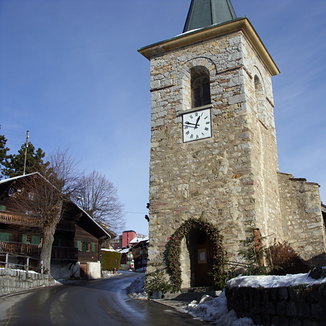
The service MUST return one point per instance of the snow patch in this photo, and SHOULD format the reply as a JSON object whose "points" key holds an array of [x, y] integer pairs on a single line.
{"points": [[273, 281], [20, 270], [136, 289], [108, 274], [215, 310]]}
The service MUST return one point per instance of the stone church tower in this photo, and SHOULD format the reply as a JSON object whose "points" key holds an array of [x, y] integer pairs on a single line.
{"points": [[213, 148]]}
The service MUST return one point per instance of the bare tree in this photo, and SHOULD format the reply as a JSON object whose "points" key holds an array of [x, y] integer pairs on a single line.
{"points": [[36, 196], [98, 197], [43, 195], [63, 172]]}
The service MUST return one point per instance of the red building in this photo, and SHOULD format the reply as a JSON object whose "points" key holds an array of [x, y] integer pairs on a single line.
{"points": [[127, 236]]}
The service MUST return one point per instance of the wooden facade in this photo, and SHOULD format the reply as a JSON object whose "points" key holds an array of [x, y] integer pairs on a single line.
{"points": [[88, 246], [140, 254], [77, 238]]}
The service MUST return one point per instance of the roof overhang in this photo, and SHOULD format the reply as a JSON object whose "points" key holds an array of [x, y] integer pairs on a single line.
{"points": [[207, 33], [88, 223], [323, 208]]}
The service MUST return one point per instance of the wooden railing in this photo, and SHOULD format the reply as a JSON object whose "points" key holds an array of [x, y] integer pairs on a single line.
{"points": [[58, 253], [15, 219], [30, 220], [19, 248]]}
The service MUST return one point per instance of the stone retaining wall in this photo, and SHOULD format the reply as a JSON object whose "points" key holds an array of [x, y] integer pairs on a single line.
{"points": [[12, 280], [298, 305]]}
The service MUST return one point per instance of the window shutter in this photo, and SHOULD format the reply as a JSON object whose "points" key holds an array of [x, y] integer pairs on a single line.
{"points": [[36, 239], [79, 245], [93, 246], [24, 238], [4, 236]]}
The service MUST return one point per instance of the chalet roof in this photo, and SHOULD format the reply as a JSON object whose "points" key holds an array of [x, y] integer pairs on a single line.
{"points": [[137, 240], [204, 13], [85, 220], [110, 250], [323, 207], [21, 177], [88, 223], [125, 250]]}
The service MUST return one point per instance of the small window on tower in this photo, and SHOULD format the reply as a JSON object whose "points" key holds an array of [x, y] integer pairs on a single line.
{"points": [[200, 86], [258, 86]]}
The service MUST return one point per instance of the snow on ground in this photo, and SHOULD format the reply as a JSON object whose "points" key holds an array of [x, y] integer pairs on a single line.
{"points": [[136, 289], [20, 270], [215, 309], [109, 274], [209, 309], [272, 281]]}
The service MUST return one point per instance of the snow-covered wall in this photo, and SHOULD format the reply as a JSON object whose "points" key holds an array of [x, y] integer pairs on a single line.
{"points": [[294, 305], [12, 280]]}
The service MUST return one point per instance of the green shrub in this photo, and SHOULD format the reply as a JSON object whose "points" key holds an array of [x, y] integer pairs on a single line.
{"points": [[110, 260], [157, 282]]}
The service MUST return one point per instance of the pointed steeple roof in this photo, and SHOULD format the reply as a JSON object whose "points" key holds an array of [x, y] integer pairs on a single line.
{"points": [[204, 13]]}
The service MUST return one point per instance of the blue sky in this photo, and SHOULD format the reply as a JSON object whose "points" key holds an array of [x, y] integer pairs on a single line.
{"points": [[70, 73]]}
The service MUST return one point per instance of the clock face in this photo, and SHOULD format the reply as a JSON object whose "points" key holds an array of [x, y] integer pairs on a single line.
{"points": [[196, 125]]}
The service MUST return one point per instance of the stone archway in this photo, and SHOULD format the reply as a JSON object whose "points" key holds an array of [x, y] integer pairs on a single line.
{"points": [[194, 255]]}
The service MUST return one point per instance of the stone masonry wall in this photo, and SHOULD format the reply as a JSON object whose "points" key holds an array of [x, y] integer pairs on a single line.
{"points": [[210, 178], [303, 223], [230, 179], [260, 107], [298, 305], [12, 281]]}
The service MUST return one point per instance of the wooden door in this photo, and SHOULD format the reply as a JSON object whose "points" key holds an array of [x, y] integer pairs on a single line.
{"points": [[83, 271], [202, 259]]}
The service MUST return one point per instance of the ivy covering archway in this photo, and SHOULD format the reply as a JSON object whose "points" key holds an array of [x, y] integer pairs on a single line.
{"points": [[173, 250]]}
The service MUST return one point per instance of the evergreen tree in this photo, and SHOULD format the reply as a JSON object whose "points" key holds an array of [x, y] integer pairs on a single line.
{"points": [[14, 163], [3, 151]]}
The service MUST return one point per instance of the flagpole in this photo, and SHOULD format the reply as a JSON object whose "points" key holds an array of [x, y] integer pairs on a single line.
{"points": [[26, 146]]}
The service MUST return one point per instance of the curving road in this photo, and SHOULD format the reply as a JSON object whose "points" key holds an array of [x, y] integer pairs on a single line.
{"points": [[98, 302]]}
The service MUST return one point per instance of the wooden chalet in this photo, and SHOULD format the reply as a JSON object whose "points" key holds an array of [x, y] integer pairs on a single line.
{"points": [[77, 240], [139, 248]]}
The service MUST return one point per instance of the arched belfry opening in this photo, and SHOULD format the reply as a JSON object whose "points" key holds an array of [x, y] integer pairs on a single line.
{"points": [[200, 86], [259, 91], [194, 255]]}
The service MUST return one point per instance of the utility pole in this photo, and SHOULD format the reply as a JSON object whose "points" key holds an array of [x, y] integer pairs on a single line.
{"points": [[26, 146]]}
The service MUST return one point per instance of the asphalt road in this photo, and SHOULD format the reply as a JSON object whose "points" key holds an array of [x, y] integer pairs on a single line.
{"points": [[98, 302]]}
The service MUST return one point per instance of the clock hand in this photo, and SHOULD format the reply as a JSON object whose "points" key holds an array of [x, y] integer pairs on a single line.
{"points": [[196, 125], [189, 123]]}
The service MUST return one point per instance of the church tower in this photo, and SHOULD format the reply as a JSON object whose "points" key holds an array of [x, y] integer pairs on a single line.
{"points": [[214, 158]]}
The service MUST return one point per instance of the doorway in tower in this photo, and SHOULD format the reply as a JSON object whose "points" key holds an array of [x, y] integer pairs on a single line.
{"points": [[194, 255], [200, 254]]}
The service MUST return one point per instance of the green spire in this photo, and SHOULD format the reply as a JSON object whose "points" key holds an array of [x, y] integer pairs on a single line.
{"points": [[204, 13]]}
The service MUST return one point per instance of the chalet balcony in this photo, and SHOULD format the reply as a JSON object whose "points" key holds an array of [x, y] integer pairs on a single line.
{"points": [[15, 219], [21, 249], [34, 251]]}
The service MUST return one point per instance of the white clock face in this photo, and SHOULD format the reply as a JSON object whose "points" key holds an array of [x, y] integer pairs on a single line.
{"points": [[196, 125]]}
